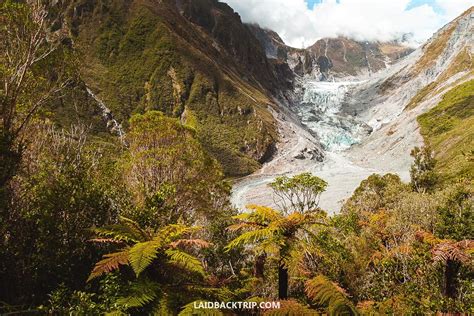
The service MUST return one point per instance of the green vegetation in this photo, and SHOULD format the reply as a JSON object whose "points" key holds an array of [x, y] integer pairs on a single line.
{"points": [[139, 63], [301, 191], [448, 129], [92, 226]]}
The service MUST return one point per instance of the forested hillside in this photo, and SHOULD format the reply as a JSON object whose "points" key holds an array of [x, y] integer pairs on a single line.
{"points": [[121, 125]]}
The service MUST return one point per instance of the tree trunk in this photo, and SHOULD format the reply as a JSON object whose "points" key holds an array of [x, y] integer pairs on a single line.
{"points": [[259, 268], [282, 281], [450, 278]]}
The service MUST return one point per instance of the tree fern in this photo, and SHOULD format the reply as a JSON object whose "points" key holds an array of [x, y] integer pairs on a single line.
{"points": [[141, 255], [141, 293], [167, 248], [111, 262], [460, 251], [327, 293], [185, 260]]}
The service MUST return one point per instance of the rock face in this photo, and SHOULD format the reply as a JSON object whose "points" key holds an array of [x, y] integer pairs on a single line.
{"points": [[330, 58], [343, 57], [193, 60]]}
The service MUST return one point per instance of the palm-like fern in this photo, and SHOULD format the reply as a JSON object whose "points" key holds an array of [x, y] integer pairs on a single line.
{"points": [[451, 254], [140, 248], [271, 232], [267, 228], [327, 293]]}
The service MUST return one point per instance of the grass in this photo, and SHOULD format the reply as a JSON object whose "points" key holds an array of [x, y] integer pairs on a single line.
{"points": [[449, 129]]}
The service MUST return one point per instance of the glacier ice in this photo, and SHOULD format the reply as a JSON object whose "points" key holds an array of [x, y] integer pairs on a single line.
{"points": [[320, 111]]}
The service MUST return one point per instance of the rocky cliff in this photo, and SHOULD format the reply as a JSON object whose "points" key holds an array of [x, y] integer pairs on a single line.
{"points": [[330, 58]]}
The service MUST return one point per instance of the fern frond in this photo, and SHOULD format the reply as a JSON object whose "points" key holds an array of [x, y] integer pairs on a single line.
{"points": [[172, 232], [162, 307], [190, 310], [115, 313], [185, 260], [457, 251], [245, 225], [251, 237], [110, 262], [142, 254], [198, 243], [258, 214], [325, 292], [106, 241], [119, 232], [141, 293], [135, 227]]}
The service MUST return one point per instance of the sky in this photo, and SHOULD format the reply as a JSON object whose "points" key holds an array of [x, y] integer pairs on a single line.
{"points": [[301, 22]]}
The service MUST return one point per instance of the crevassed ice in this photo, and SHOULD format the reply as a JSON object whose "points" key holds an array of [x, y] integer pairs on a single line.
{"points": [[320, 111]]}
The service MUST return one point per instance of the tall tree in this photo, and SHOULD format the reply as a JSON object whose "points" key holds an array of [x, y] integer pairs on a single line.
{"points": [[31, 73], [169, 173]]}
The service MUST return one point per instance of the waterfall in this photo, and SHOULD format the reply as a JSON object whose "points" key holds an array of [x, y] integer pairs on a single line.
{"points": [[112, 124]]}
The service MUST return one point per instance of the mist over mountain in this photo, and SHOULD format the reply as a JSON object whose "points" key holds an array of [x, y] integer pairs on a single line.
{"points": [[384, 21]]}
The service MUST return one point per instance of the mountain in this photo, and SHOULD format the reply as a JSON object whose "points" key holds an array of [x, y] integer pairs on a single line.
{"points": [[427, 98], [347, 57], [423, 98], [190, 59], [332, 57]]}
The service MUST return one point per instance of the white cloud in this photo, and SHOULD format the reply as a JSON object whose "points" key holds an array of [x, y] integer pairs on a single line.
{"points": [[370, 20]]}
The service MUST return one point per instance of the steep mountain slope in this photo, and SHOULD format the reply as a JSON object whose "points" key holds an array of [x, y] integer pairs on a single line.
{"points": [[434, 80], [332, 57], [190, 59], [432, 86]]}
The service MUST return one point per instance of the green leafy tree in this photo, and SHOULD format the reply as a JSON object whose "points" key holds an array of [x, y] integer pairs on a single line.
{"points": [[169, 173], [422, 172], [56, 199], [299, 193]]}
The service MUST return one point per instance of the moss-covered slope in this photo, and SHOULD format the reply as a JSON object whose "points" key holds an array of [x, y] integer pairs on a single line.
{"points": [[449, 129], [189, 59]]}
